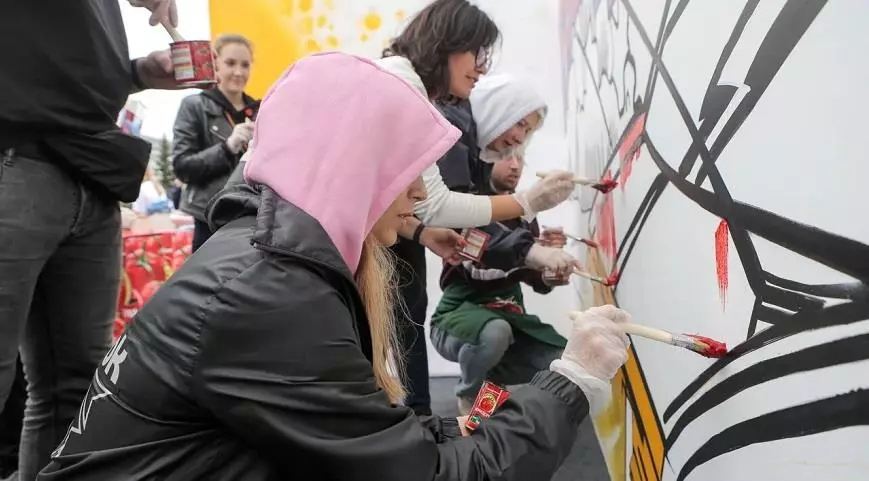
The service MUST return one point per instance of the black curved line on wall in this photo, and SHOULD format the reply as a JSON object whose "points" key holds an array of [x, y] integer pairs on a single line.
{"points": [[824, 415], [842, 351], [838, 315]]}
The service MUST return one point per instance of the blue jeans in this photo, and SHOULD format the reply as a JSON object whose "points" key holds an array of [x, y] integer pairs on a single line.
{"points": [[501, 355], [60, 268]]}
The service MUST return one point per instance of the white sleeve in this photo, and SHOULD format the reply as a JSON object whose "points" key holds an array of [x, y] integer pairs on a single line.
{"points": [[146, 194], [445, 208]]}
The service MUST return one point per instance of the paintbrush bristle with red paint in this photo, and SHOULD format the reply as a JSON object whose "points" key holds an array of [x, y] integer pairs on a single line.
{"points": [[608, 281], [701, 345], [602, 185], [585, 241]]}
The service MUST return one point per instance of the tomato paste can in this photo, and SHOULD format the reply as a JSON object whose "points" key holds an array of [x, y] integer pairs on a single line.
{"points": [[490, 397], [193, 61], [475, 244]]}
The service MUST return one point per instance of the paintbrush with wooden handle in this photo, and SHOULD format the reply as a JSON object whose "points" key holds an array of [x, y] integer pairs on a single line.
{"points": [[176, 37], [701, 345], [585, 241], [602, 185], [608, 281]]}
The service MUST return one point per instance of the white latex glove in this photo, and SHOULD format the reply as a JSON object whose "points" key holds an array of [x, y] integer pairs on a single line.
{"points": [[161, 10], [596, 349], [550, 258], [240, 136], [546, 193]]}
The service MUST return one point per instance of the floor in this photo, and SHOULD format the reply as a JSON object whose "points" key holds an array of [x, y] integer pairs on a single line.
{"points": [[585, 463]]}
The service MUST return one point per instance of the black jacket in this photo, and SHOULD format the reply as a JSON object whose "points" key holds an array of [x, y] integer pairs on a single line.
{"points": [[483, 278], [66, 75], [253, 363], [200, 156]]}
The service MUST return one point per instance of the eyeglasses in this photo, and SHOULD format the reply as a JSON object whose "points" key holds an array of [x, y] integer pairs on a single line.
{"points": [[484, 59]]}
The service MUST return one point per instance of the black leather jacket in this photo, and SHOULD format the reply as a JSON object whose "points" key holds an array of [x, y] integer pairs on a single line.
{"points": [[253, 363], [200, 157]]}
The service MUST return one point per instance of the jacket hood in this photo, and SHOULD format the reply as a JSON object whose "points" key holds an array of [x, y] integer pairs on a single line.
{"points": [[499, 101], [340, 138], [403, 69], [217, 97]]}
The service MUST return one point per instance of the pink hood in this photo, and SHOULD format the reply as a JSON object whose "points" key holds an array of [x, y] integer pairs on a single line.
{"points": [[341, 138]]}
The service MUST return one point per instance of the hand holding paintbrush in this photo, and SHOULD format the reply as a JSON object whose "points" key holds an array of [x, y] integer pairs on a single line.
{"points": [[701, 345], [603, 185]]}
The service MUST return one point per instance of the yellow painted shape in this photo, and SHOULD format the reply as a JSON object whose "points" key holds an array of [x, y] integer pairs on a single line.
{"points": [[273, 29], [372, 21], [400, 15], [647, 455], [306, 26], [312, 46], [363, 37], [332, 41], [322, 21], [305, 6]]}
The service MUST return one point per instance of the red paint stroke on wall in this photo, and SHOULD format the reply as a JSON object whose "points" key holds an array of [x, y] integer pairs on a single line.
{"points": [[722, 244], [629, 149], [606, 225]]}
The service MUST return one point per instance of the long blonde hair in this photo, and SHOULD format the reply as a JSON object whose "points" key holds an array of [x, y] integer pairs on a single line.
{"points": [[374, 278]]}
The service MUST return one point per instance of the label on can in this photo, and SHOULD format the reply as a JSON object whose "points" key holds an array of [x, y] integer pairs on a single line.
{"points": [[490, 397], [193, 62], [476, 242]]}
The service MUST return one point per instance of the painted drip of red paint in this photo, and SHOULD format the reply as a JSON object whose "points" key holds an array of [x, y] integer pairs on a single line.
{"points": [[629, 149], [606, 232], [722, 244], [713, 348]]}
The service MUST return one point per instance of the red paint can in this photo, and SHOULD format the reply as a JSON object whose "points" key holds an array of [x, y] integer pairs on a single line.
{"points": [[194, 63]]}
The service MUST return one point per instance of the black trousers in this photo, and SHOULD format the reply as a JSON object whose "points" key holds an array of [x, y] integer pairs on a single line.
{"points": [[201, 233], [11, 418], [412, 290]]}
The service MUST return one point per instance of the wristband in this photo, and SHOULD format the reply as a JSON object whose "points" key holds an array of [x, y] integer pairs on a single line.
{"points": [[418, 232]]}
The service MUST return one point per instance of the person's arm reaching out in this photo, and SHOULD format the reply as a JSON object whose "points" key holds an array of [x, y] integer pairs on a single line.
{"points": [[314, 404], [445, 208]]}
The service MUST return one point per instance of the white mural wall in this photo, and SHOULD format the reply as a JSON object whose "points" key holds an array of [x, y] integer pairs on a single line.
{"points": [[733, 129]]}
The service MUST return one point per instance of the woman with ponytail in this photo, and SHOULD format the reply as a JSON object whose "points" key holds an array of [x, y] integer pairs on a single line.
{"points": [[268, 355]]}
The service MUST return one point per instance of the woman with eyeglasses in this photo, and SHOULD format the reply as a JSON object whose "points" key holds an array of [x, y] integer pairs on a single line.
{"points": [[443, 52]]}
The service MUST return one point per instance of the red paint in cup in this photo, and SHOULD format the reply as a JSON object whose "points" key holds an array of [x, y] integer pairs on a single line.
{"points": [[194, 63]]}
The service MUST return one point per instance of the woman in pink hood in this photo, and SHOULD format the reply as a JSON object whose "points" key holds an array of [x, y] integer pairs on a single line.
{"points": [[267, 356]]}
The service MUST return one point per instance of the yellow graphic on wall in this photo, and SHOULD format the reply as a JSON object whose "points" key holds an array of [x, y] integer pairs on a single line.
{"points": [[282, 31], [630, 397]]}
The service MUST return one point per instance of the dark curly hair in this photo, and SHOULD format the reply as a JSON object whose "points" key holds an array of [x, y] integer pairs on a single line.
{"points": [[442, 28]]}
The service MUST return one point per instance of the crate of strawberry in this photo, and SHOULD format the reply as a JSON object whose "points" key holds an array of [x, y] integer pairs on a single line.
{"points": [[148, 261]]}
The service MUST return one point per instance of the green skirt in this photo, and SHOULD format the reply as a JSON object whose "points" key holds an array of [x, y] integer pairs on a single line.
{"points": [[463, 312]]}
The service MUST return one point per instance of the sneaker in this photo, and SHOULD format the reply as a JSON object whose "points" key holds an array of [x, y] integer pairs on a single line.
{"points": [[465, 405]]}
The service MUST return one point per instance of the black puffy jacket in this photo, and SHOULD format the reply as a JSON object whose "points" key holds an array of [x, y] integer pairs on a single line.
{"points": [[253, 363]]}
